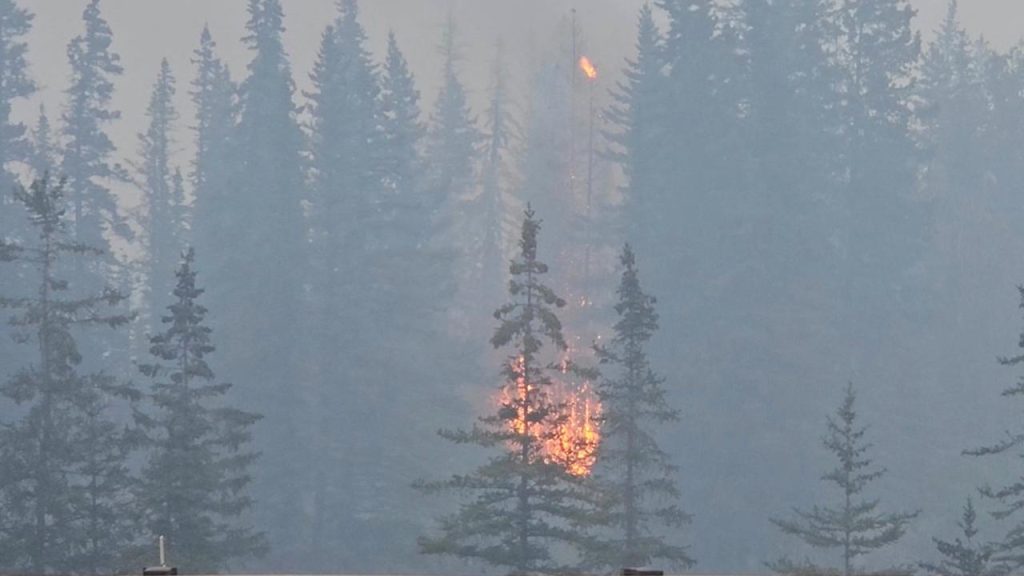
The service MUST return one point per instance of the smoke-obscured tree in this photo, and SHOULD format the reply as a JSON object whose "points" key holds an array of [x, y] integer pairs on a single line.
{"points": [[256, 283], [519, 507], [1010, 497], [451, 150], [15, 85], [638, 134], [88, 149], [793, 133], [706, 167], [881, 226], [165, 219], [636, 470], [194, 488], [490, 209], [855, 526], [213, 94], [45, 153], [348, 224], [966, 556], [65, 479]]}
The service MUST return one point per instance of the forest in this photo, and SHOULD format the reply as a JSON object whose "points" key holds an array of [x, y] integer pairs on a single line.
{"points": [[743, 301]]}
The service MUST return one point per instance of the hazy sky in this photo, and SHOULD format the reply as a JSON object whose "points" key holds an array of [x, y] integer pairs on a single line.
{"points": [[147, 30]]}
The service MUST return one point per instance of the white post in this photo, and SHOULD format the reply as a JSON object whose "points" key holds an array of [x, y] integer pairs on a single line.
{"points": [[162, 559]]}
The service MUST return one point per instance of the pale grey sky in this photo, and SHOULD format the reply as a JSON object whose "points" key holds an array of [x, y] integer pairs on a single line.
{"points": [[147, 30]]}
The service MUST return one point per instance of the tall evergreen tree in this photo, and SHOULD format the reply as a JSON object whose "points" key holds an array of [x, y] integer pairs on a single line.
{"points": [[255, 288], [881, 229], [44, 149], [65, 474], [965, 556], [793, 134], [165, 223], [348, 221], [520, 504], [452, 143], [195, 484], [87, 162], [953, 109], [855, 526], [491, 207], [1009, 498], [630, 460], [214, 95], [638, 135], [15, 84]]}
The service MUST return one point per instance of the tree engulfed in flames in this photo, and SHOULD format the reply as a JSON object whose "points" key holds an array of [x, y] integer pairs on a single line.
{"points": [[573, 441]]}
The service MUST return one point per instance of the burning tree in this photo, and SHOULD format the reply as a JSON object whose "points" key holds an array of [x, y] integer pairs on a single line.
{"points": [[632, 464], [525, 502]]}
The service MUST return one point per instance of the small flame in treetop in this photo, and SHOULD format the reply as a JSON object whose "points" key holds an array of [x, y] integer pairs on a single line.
{"points": [[588, 68]]}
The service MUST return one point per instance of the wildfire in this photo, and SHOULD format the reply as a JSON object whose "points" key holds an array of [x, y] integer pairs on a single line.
{"points": [[588, 68], [573, 441]]}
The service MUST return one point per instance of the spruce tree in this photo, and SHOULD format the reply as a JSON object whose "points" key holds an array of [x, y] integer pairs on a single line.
{"points": [[519, 505], [451, 151], [87, 162], [630, 461], [65, 474], [165, 223], [409, 235], [953, 109], [254, 285], [491, 208], [44, 149], [194, 489], [15, 84], [1010, 497], [966, 556], [348, 229], [213, 94], [880, 228], [793, 134], [638, 138], [855, 526]]}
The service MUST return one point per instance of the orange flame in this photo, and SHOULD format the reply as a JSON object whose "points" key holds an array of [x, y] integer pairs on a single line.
{"points": [[588, 68], [574, 440]]}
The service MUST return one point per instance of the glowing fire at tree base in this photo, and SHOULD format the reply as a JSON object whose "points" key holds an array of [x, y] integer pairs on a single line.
{"points": [[573, 441]]}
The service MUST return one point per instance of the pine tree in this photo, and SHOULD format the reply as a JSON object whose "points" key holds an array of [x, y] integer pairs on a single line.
{"points": [[854, 526], [44, 149], [793, 133], [15, 84], [194, 487], [348, 240], [410, 230], [881, 229], [87, 163], [256, 291], [965, 556], [1009, 498], [452, 142], [65, 473], [638, 136], [165, 223], [630, 460], [491, 208], [213, 94], [523, 504]]}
